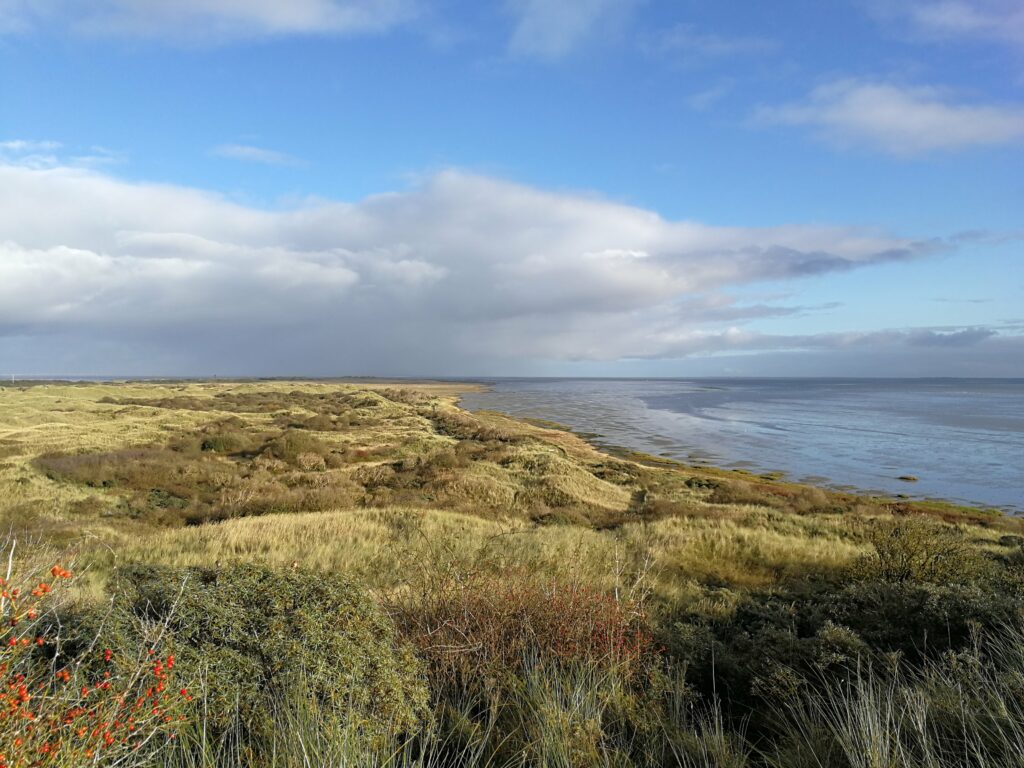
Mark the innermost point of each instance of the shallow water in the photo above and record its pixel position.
(962, 438)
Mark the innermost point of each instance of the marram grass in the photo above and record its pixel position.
(548, 604)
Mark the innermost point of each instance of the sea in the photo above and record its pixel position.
(963, 439)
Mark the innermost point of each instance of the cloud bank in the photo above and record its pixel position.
(458, 274)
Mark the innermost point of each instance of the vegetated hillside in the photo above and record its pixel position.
(534, 601)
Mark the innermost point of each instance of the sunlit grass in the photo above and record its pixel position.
(490, 542)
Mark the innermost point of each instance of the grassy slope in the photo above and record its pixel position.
(763, 623)
(407, 474)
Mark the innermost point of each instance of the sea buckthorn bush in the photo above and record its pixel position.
(555, 672)
(909, 549)
(250, 633)
(475, 627)
(59, 707)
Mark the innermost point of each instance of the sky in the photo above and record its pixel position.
(512, 188)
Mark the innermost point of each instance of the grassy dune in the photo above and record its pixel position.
(378, 545)
(395, 456)
(563, 606)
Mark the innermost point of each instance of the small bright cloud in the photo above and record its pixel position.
(22, 146)
(1001, 20)
(547, 29)
(30, 153)
(686, 43)
(207, 20)
(898, 119)
(253, 154)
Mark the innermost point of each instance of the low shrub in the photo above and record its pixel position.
(792, 498)
(65, 698)
(250, 633)
(292, 444)
(918, 550)
(231, 441)
(774, 645)
(174, 473)
(958, 710)
(319, 423)
(405, 396)
(476, 628)
(465, 426)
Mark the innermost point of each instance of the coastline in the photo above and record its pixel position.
(776, 477)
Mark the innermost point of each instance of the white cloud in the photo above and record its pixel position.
(24, 146)
(50, 154)
(898, 119)
(548, 29)
(702, 100)
(1001, 20)
(438, 278)
(30, 153)
(253, 154)
(684, 42)
(206, 20)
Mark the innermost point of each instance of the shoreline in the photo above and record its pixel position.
(456, 389)
(780, 477)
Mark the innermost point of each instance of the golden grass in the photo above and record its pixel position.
(677, 556)
(37, 420)
(479, 502)
(749, 551)
(375, 545)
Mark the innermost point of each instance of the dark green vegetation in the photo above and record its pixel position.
(249, 634)
(352, 576)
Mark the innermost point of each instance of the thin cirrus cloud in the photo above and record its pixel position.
(445, 276)
(251, 154)
(902, 120)
(206, 20)
(686, 44)
(38, 154)
(551, 30)
(998, 20)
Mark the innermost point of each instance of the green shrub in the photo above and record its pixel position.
(774, 645)
(228, 441)
(293, 444)
(917, 550)
(474, 628)
(465, 426)
(249, 633)
(319, 423)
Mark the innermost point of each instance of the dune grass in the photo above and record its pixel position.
(568, 606)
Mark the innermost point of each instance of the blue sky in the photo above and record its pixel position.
(405, 187)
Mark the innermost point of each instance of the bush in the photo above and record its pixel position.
(319, 423)
(66, 700)
(916, 550)
(473, 628)
(464, 426)
(176, 477)
(292, 444)
(800, 499)
(963, 709)
(250, 633)
(226, 439)
(773, 646)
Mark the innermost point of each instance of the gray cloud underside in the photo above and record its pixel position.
(455, 274)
